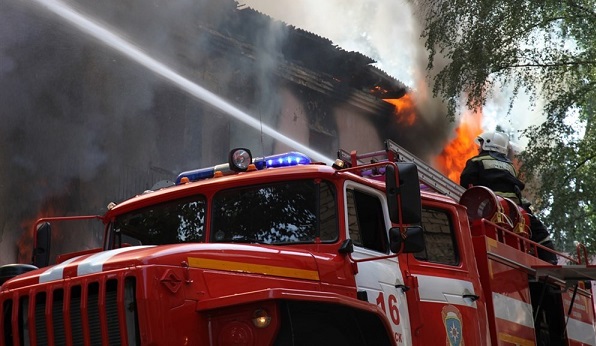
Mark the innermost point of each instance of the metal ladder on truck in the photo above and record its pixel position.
(429, 176)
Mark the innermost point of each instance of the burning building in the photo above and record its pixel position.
(85, 125)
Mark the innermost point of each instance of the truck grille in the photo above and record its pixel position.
(95, 313)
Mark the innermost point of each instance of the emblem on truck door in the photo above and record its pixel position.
(453, 326)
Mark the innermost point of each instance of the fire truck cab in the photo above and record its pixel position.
(284, 251)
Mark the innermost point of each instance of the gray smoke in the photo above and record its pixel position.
(387, 31)
(83, 126)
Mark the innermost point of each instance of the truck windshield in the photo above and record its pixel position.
(179, 221)
(277, 213)
(302, 211)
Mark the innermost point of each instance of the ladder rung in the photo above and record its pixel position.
(428, 175)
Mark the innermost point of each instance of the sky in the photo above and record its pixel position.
(384, 30)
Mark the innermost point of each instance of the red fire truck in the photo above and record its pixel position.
(376, 249)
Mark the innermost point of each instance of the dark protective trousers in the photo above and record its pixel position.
(541, 236)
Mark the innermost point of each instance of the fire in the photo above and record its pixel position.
(27, 240)
(404, 109)
(452, 160)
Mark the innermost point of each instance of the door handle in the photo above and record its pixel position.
(470, 295)
(403, 288)
(473, 297)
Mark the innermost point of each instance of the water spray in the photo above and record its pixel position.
(88, 25)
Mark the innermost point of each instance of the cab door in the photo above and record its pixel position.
(445, 296)
(378, 281)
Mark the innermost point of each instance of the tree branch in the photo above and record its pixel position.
(558, 64)
(576, 168)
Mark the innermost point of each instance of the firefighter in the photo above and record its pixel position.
(493, 169)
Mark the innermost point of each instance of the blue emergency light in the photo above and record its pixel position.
(282, 160)
(238, 161)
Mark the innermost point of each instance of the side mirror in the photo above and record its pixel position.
(409, 190)
(391, 193)
(404, 194)
(41, 251)
(412, 243)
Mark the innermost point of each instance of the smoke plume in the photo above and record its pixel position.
(82, 125)
(387, 31)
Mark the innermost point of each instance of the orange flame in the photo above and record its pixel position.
(452, 160)
(404, 109)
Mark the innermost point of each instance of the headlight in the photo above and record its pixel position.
(245, 325)
(239, 159)
(261, 318)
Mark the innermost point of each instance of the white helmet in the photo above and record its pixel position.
(493, 141)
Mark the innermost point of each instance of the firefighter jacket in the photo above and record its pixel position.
(495, 171)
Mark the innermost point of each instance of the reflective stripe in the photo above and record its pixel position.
(489, 162)
(446, 290)
(263, 269)
(581, 331)
(56, 272)
(513, 310)
(95, 262)
(496, 164)
(506, 194)
(516, 340)
(480, 158)
(91, 264)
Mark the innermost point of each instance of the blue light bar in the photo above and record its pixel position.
(273, 161)
(196, 174)
(282, 160)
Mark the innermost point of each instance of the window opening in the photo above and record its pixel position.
(366, 222)
(439, 238)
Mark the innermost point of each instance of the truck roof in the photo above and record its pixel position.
(253, 178)
(238, 179)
